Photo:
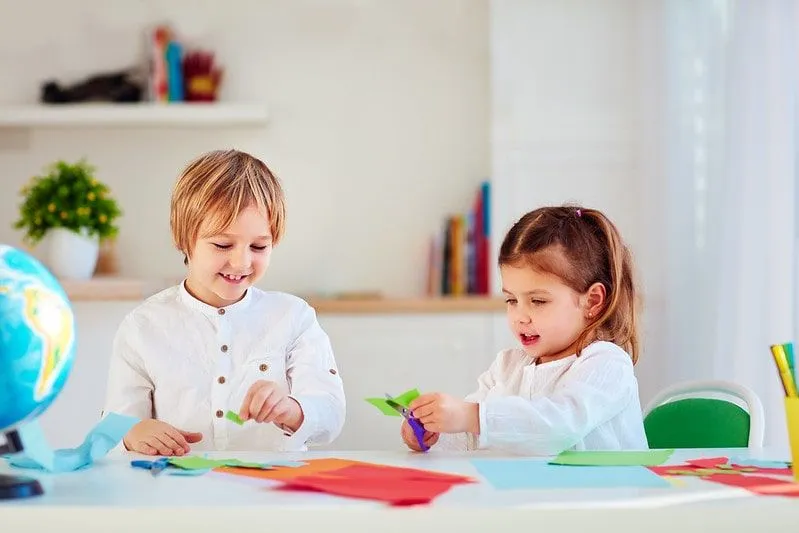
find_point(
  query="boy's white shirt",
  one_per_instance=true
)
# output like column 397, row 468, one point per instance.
column 171, row 351
column 588, row 402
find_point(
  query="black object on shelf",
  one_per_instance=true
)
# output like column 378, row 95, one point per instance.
column 114, row 87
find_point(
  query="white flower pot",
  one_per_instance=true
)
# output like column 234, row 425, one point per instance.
column 71, row 255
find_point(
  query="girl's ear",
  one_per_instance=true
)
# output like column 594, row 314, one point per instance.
column 594, row 300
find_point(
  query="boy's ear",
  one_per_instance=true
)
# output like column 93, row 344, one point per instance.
column 594, row 299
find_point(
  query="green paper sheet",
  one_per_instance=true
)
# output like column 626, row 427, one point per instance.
column 613, row 458
column 233, row 417
column 403, row 399
column 193, row 462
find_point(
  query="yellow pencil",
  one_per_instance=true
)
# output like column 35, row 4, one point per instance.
column 778, row 352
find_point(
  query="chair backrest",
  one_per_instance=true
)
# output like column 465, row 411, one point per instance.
column 690, row 415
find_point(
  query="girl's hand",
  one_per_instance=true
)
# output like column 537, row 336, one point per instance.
column 153, row 437
column 409, row 437
column 267, row 401
column 442, row 413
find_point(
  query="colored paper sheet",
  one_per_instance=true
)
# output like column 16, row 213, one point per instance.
column 403, row 492
column 758, row 484
column 509, row 474
column 233, row 417
column 394, row 485
column 187, row 473
column 193, row 462
column 388, row 473
column 708, row 462
column 381, row 404
column 311, row 467
column 37, row 453
column 758, row 463
column 613, row 458
column 722, row 465
column 403, row 399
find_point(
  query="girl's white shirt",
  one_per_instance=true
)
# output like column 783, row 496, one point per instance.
column 588, row 402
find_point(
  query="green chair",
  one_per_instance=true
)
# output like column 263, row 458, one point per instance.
column 691, row 415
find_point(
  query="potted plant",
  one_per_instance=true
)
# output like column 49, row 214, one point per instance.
column 74, row 211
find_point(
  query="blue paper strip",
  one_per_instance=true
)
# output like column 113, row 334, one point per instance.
column 509, row 474
column 758, row 463
column 38, row 455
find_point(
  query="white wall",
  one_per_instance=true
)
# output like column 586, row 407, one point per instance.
column 567, row 78
column 379, row 123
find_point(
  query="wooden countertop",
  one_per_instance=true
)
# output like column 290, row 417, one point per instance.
column 106, row 289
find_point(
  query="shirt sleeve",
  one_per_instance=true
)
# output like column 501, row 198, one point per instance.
column 129, row 389
column 315, row 383
column 594, row 390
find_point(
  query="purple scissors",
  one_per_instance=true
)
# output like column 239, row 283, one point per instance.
column 417, row 427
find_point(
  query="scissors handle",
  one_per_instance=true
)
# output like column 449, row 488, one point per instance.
column 418, row 430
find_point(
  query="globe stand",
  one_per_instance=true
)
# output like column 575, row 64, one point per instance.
column 12, row 487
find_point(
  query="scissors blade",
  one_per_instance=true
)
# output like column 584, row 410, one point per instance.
column 391, row 402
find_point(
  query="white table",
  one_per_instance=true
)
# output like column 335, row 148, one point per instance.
column 112, row 496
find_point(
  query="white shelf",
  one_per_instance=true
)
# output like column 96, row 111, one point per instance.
column 132, row 115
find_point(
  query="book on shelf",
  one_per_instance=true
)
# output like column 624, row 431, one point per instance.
column 458, row 262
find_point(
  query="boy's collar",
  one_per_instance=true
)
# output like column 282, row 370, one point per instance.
column 210, row 310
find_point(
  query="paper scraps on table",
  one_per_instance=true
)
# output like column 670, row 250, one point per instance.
column 403, row 399
column 705, row 467
column 512, row 474
column 37, row 453
column 613, row 458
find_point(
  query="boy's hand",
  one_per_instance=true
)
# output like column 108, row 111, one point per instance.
column 409, row 437
column 267, row 401
column 153, row 437
column 442, row 413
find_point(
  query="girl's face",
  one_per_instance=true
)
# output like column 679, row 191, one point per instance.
column 546, row 315
column 222, row 267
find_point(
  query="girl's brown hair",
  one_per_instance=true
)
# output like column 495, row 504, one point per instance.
column 582, row 247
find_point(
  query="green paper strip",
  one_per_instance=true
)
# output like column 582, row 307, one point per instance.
column 193, row 462
column 233, row 417
column 613, row 458
column 403, row 399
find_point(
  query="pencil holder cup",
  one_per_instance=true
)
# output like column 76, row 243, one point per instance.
column 792, row 418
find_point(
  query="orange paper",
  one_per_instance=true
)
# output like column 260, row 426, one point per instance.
column 313, row 466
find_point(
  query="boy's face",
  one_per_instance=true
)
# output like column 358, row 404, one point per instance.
column 222, row 267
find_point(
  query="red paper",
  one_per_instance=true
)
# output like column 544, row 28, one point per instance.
column 390, row 473
column 394, row 485
column 398, row 492
column 711, row 462
column 758, row 484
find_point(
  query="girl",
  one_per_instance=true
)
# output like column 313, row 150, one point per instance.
column 215, row 343
column 568, row 282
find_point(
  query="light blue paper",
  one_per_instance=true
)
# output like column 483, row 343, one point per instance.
column 757, row 463
column 187, row 473
column 509, row 474
column 38, row 455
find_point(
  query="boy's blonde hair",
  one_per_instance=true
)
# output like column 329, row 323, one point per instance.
column 581, row 246
column 215, row 188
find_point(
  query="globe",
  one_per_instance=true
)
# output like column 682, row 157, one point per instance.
column 37, row 338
